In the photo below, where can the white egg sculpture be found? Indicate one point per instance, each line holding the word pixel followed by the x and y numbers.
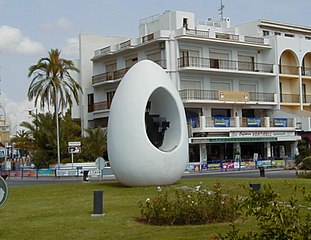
pixel 147 132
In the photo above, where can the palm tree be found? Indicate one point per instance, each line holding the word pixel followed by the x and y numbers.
pixel 53 85
pixel 51 78
pixel 23 141
pixel 95 144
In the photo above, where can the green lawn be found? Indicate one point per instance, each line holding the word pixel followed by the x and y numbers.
pixel 64 211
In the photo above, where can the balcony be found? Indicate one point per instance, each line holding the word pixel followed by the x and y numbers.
pixel 227 36
pixel 223 36
pixel 215 95
pixel 118 74
pixel 306 99
pixel 109 76
pixel 306 71
pixel 289 70
pixel 226 123
pixel 222 64
pixel 289 98
pixel 101 106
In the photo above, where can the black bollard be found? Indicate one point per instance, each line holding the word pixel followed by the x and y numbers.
pixel 98 204
pixel 262 171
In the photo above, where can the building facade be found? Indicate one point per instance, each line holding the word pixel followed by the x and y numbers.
pixel 246 88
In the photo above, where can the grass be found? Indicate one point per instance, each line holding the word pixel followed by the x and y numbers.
pixel 63 211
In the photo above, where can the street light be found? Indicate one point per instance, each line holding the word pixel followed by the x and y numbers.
pixel 57 124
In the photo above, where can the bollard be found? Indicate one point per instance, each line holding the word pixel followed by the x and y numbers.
pixel 262 171
pixel 98 204
pixel 86 176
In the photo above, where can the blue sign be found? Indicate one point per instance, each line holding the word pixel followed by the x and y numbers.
pixel 254 122
pixel 221 122
pixel 193 122
pixel 280 122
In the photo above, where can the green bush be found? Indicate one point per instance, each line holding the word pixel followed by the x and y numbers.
pixel 306 163
pixel 304 174
pixel 187 206
pixel 276 218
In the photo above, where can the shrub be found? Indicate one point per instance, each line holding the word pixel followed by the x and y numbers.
pixel 276 219
pixel 186 206
pixel 306 162
pixel 304 174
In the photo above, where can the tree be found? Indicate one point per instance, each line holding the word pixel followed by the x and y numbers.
pixel 42 132
pixel 94 145
pixel 51 78
pixel 53 85
pixel 23 141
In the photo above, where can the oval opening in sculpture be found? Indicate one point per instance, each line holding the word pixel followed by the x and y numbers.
pixel 162 120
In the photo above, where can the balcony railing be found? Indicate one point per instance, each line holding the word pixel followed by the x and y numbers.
pixel 147 38
pixel 213 63
pixel 100 78
pixel 115 75
pixel 256 40
pixel 205 95
pixel 291 70
pixel 306 71
pixel 306 98
pixel 241 122
pixel 289 98
pixel 198 33
pixel 225 36
pixel 99 106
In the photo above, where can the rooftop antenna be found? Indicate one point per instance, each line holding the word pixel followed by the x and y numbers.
pixel 221 10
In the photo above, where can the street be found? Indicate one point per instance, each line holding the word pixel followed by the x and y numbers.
pixel 269 173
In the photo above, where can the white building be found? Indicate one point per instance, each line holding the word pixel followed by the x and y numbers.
pixel 245 88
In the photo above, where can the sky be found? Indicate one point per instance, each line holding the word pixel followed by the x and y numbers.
pixel 30 28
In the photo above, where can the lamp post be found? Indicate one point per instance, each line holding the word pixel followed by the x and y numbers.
pixel 57 124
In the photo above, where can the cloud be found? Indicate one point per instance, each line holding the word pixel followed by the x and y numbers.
pixel 71 48
pixel 16 112
pixel 62 24
pixel 13 41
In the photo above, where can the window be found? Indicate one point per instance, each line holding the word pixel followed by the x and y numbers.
pixel 90 102
pixel 110 68
pixel 277 33
pixel 109 98
pixel 304 98
pixel 219 59
pixel 189 58
pixel 246 63
pixel 220 86
pixel 308 38
pixel 289 35
pixel 219 112
pixel 245 87
pixel 185 23
pixel 265 33
pixel 130 61
pixel 281 92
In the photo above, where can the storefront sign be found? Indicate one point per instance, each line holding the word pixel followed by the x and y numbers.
pixel 232 139
pixel 261 134
pixel 221 122
pixel 233 96
pixel 254 122
pixel 280 122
